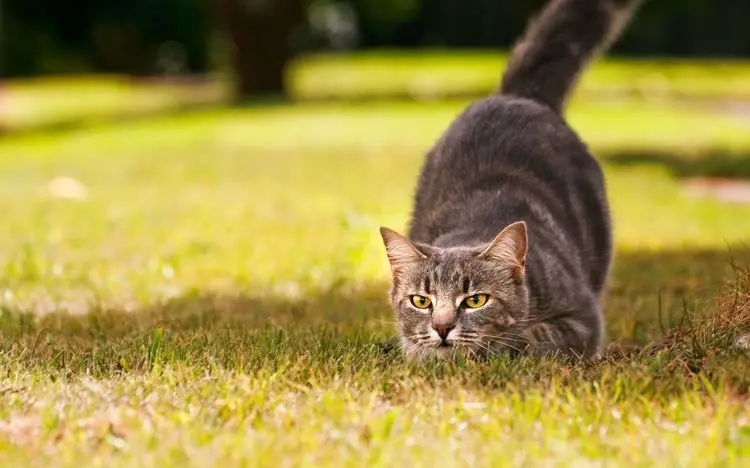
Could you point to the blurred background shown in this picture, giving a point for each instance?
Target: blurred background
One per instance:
(167, 53)
(156, 149)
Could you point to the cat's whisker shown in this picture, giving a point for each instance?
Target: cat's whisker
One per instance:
(506, 345)
(491, 352)
(469, 335)
(501, 341)
(504, 335)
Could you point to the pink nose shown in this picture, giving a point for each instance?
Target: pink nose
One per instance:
(443, 330)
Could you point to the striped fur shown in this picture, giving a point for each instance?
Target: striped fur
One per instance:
(511, 163)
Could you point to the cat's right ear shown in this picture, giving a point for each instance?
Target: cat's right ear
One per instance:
(510, 248)
(401, 252)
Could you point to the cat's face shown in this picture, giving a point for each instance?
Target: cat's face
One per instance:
(470, 300)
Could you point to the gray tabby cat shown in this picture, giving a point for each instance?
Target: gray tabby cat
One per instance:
(512, 162)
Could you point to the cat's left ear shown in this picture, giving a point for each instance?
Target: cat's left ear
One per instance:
(401, 252)
(510, 248)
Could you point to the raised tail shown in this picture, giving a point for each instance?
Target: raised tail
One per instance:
(545, 64)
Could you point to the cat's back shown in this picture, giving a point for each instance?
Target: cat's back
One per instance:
(506, 141)
(507, 159)
(502, 132)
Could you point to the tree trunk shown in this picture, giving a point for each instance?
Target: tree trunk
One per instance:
(260, 32)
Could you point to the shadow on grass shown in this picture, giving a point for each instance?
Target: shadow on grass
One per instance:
(640, 282)
(715, 163)
(106, 119)
(206, 313)
(653, 296)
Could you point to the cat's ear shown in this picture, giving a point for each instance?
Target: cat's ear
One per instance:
(401, 252)
(510, 247)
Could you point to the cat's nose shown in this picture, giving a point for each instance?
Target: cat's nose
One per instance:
(443, 330)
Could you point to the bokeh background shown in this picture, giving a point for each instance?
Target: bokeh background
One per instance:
(220, 50)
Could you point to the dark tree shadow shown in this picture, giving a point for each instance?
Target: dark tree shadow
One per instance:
(108, 120)
(715, 163)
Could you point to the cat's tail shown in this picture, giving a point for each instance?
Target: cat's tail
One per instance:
(544, 65)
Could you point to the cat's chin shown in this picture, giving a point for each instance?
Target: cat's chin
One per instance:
(440, 352)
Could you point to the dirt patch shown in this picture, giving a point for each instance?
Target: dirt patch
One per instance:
(727, 190)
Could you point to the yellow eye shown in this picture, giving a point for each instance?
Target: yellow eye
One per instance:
(420, 302)
(476, 301)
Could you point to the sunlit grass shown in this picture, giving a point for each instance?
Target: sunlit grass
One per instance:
(58, 101)
(213, 291)
(433, 74)
(420, 75)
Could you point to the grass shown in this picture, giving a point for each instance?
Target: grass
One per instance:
(209, 288)
(424, 76)
(437, 74)
(61, 102)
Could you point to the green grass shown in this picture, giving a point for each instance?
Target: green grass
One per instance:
(435, 74)
(70, 101)
(412, 75)
(216, 295)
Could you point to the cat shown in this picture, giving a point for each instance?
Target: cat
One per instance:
(510, 243)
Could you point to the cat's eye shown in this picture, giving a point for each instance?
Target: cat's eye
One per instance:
(476, 301)
(420, 302)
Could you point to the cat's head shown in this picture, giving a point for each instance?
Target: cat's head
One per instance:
(467, 299)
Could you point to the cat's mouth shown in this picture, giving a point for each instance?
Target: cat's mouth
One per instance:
(441, 349)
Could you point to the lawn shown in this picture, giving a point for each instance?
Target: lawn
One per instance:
(435, 75)
(209, 288)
